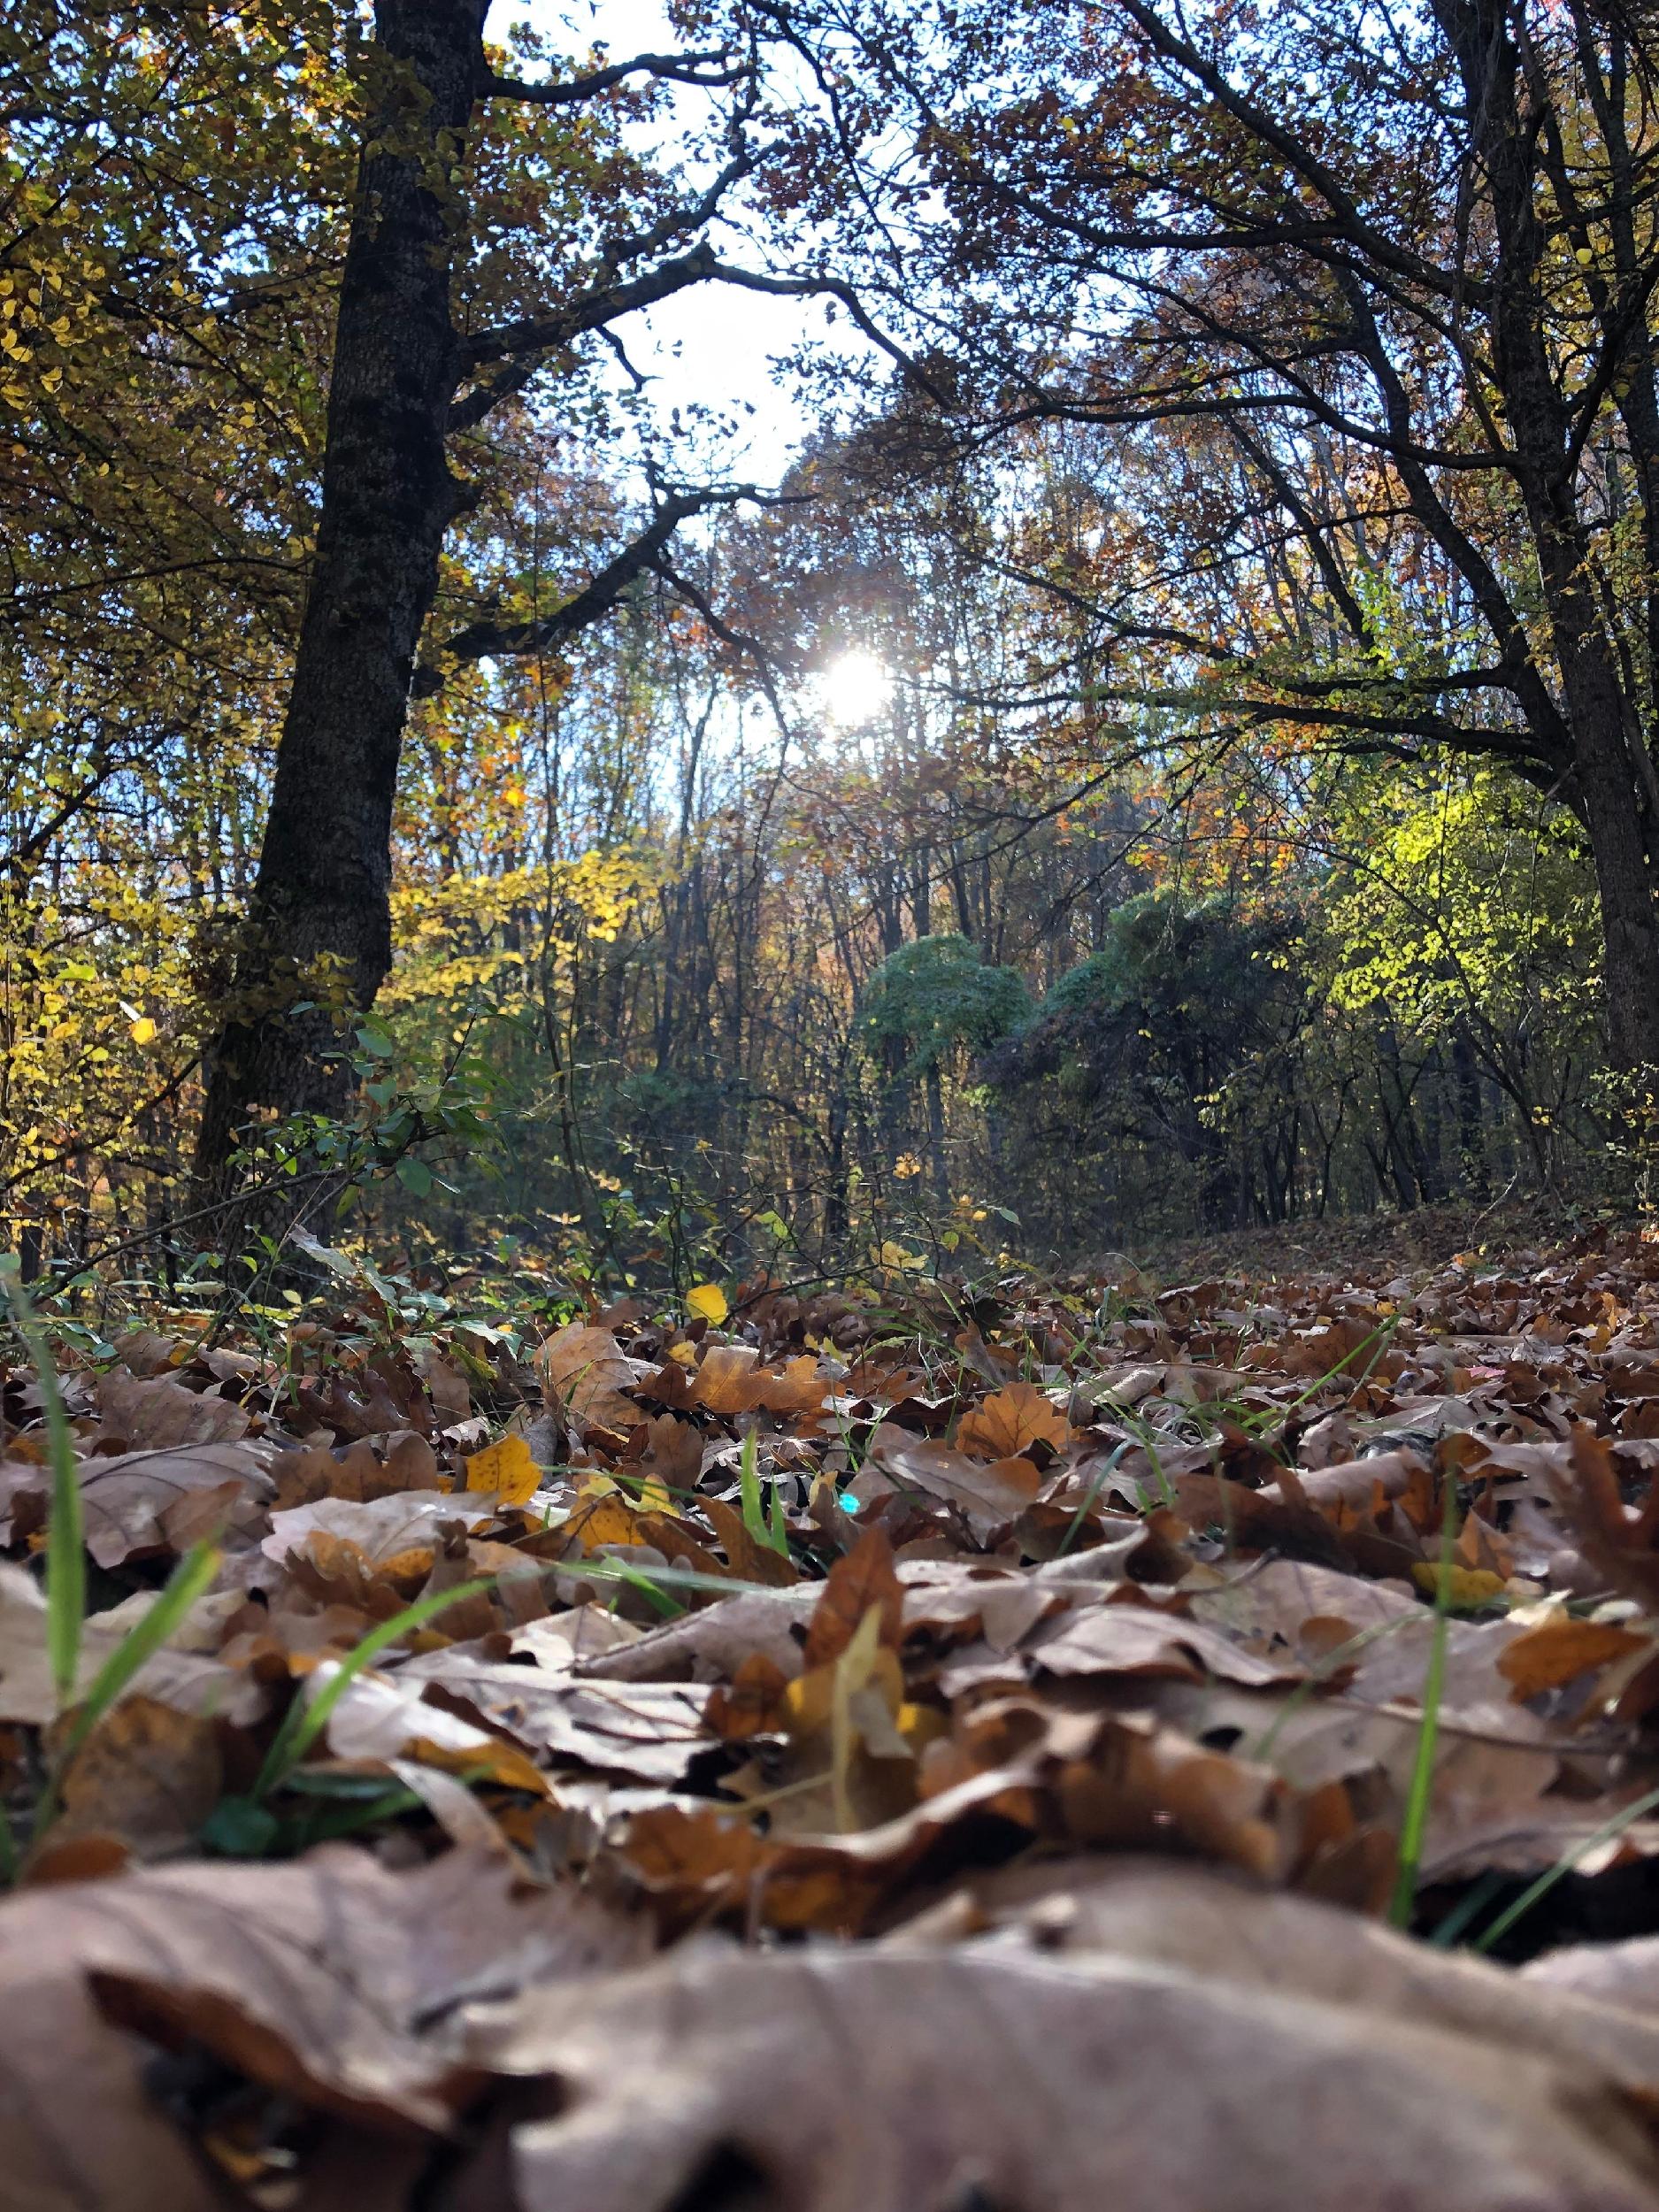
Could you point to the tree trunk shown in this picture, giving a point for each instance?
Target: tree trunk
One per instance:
(320, 928)
(1598, 714)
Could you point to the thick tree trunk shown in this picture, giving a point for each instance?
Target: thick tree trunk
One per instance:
(1630, 921)
(1605, 724)
(320, 928)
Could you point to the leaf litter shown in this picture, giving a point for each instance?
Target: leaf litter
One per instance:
(829, 1751)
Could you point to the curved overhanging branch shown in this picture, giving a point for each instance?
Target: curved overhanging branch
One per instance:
(488, 640)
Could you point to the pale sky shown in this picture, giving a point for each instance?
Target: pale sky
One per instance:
(711, 344)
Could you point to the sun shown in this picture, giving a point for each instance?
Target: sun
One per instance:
(854, 690)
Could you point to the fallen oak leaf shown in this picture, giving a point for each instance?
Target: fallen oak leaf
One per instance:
(722, 1380)
(1557, 1651)
(1216, 1925)
(861, 1578)
(989, 1496)
(650, 1732)
(1024, 2079)
(161, 1414)
(1107, 1640)
(1356, 1483)
(405, 1461)
(715, 1641)
(330, 1980)
(751, 1560)
(586, 1369)
(127, 1501)
(1622, 1545)
(149, 1776)
(507, 1469)
(753, 1703)
(1009, 1421)
(401, 1522)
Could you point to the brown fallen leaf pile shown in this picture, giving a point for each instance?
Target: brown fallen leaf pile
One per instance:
(955, 1758)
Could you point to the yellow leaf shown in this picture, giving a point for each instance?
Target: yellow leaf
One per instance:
(653, 1496)
(507, 1467)
(708, 1299)
(894, 1255)
(603, 1516)
(1464, 1586)
(143, 1030)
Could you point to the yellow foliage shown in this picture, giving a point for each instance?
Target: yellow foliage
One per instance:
(507, 1468)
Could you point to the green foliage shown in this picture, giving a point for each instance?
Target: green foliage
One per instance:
(1470, 896)
(1184, 991)
(1171, 962)
(936, 1000)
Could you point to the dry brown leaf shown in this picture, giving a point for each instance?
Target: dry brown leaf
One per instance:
(1134, 1639)
(384, 1717)
(997, 2077)
(750, 1561)
(754, 1703)
(380, 1529)
(1626, 1975)
(371, 1467)
(149, 1775)
(862, 1577)
(1009, 1420)
(714, 1643)
(1220, 1926)
(329, 1980)
(1558, 1651)
(447, 1385)
(723, 1381)
(989, 1496)
(796, 1390)
(161, 1415)
(1278, 1597)
(649, 1731)
(672, 1450)
(1353, 1482)
(586, 1369)
(1622, 1545)
(147, 1352)
(139, 1506)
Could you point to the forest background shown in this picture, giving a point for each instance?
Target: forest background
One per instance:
(1169, 747)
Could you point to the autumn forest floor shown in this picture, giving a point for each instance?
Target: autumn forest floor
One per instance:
(912, 1749)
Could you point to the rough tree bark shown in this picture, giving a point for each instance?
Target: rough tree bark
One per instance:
(1605, 725)
(318, 940)
(322, 912)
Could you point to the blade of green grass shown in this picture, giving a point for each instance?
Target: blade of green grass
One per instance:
(66, 1530)
(187, 1582)
(1625, 1817)
(1404, 1903)
(651, 1590)
(671, 1577)
(307, 1717)
(1444, 1934)
(748, 1491)
(1089, 1496)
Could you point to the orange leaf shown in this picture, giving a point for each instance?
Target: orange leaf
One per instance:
(1009, 1420)
(1559, 1651)
(506, 1467)
(865, 1576)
